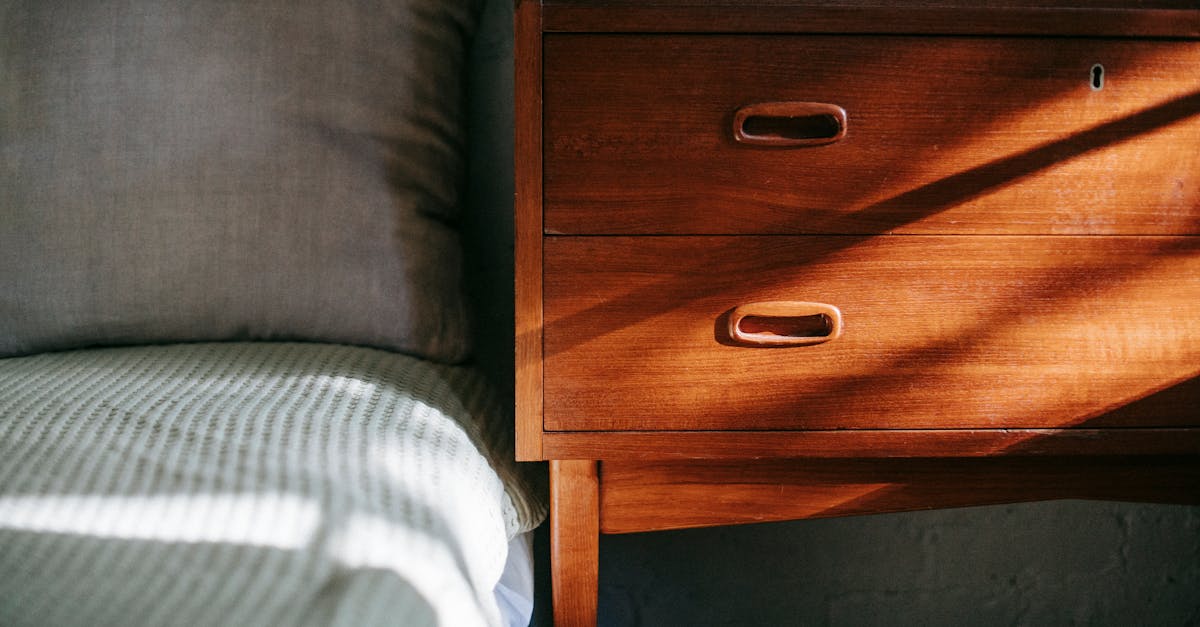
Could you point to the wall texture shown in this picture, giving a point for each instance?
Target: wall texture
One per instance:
(1056, 563)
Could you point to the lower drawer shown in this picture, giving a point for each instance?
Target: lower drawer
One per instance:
(935, 332)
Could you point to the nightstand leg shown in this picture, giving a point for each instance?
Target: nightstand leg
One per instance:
(574, 541)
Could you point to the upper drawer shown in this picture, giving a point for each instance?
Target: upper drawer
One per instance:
(942, 135)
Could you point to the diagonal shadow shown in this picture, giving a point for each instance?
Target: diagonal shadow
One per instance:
(741, 491)
(1176, 484)
(946, 193)
(710, 185)
(1063, 287)
(603, 318)
(789, 489)
(1018, 474)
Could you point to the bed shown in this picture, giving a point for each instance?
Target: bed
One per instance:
(254, 328)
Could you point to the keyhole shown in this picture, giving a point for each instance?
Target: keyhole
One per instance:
(1097, 77)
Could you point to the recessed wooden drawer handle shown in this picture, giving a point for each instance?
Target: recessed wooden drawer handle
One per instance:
(784, 323)
(789, 124)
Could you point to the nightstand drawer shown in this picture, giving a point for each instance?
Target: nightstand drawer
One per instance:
(934, 332)
(941, 135)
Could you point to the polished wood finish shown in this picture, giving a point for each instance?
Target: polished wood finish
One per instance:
(938, 333)
(1115, 18)
(945, 135)
(1079, 8)
(881, 443)
(784, 323)
(574, 541)
(1012, 250)
(789, 124)
(649, 496)
(528, 229)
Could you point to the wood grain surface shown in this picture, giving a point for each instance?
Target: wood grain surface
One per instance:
(574, 541)
(646, 496)
(527, 227)
(944, 135)
(878, 443)
(1158, 18)
(938, 332)
(1010, 246)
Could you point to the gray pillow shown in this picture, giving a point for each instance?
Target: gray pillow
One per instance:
(277, 169)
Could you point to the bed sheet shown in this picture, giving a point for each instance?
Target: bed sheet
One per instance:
(255, 484)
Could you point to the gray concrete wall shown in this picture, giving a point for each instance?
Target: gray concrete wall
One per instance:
(1056, 563)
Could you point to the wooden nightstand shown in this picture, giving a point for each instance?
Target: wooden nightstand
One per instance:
(781, 260)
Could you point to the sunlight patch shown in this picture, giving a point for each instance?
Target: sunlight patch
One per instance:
(269, 520)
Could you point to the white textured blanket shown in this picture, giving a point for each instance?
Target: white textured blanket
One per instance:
(251, 484)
